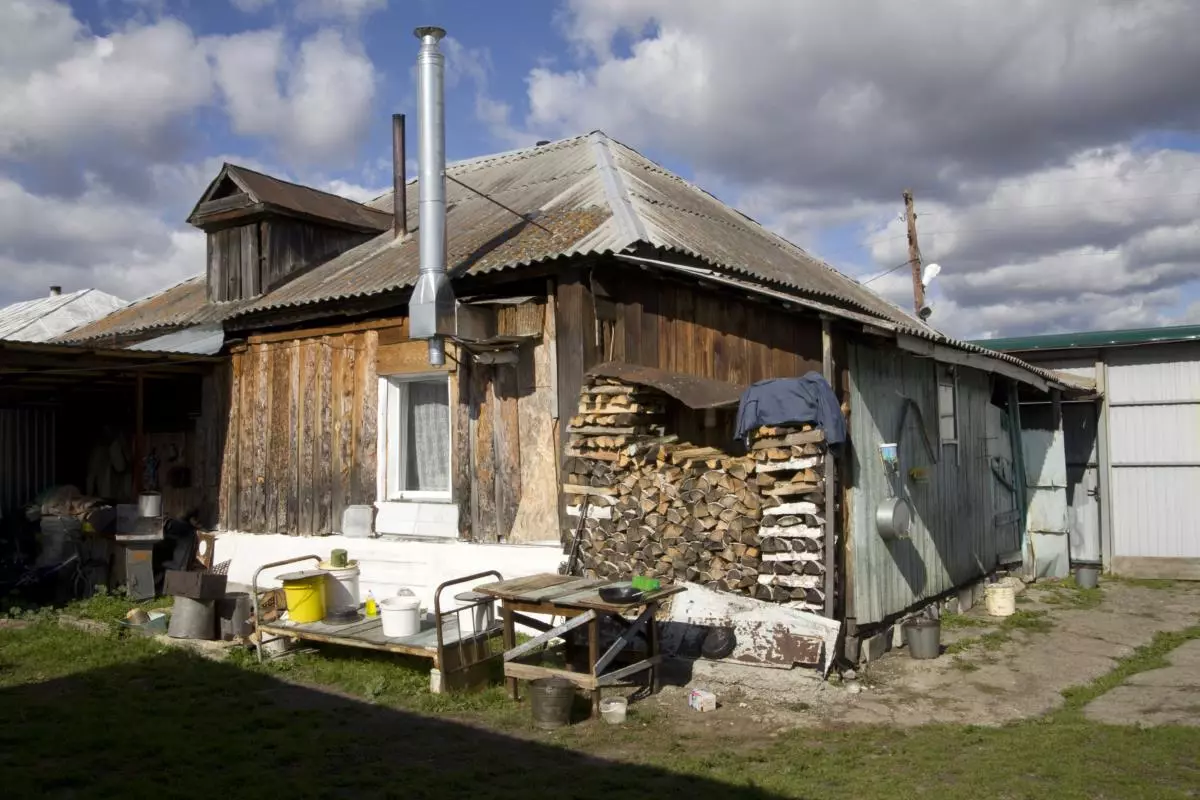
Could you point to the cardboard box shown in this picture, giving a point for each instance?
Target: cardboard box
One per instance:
(196, 585)
(701, 700)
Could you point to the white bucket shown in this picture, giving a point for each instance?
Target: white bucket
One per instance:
(341, 588)
(401, 616)
(1000, 599)
(613, 709)
(150, 504)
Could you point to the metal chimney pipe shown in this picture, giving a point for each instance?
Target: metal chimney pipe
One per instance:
(399, 187)
(431, 310)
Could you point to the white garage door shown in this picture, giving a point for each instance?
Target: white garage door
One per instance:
(1154, 430)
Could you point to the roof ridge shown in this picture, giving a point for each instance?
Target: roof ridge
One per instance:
(301, 186)
(626, 216)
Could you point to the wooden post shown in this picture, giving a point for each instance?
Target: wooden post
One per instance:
(827, 369)
(510, 641)
(653, 646)
(914, 252)
(139, 435)
(593, 657)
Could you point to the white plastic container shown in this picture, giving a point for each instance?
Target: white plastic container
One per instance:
(341, 588)
(613, 709)
(358, 521)
(150, 504)
(401, 616)
(1000, 599)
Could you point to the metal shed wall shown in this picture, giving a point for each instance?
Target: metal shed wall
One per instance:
(955, 537)
(27, 447)
(1153, 396)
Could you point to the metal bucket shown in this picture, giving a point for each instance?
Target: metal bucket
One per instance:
(551, 699)
(233, 614)
(192, 619)
(1087, 577)
(924, 637)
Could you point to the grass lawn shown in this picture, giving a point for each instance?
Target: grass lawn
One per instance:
(83, 715)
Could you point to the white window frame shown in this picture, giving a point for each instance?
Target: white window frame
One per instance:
(946, 375)
(393, 392)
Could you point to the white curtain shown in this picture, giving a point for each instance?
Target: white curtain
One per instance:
(428, 467)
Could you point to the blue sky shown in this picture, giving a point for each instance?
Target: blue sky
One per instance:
(1053, 148)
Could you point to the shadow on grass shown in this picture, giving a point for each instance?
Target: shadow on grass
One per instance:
(171, 724)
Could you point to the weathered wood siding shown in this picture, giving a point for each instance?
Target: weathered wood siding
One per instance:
(954, 538)
(290, 247)
(301, 438)
(299, 443)
(247, 260)
(705, 333)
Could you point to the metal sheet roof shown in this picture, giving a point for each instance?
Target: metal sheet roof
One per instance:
(45, 318)
(203, 340)
(1094, 339)
(690, 390)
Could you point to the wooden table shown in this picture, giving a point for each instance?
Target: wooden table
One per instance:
(578, 601)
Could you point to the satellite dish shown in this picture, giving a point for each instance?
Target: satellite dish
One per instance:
(930, 272)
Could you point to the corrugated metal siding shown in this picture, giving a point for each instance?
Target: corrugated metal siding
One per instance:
(954, 536)
(27, 445)
(1153, 507)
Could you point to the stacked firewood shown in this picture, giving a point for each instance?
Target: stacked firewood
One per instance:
(653, 505)
(790, 473)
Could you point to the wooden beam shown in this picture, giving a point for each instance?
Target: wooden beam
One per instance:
(541, 640)
(329, 330)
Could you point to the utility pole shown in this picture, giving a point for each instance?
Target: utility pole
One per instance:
(914, 252)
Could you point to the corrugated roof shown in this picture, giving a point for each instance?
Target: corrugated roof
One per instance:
(45, 318)
(1094, 339)
(300, 199)
(583, 195)
(178, 306)
(202, 340)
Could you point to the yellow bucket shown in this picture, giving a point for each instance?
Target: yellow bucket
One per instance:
(305, 593)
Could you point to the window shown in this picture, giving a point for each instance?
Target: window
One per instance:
(418, 437)
(947, 402)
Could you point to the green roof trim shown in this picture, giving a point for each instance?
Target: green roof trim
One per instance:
(1092, 339)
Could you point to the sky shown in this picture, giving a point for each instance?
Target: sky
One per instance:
(1052, 146)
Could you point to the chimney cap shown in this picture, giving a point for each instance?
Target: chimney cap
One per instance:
(55, 291)
(429, 30)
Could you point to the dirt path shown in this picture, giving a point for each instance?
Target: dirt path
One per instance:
(993, 682)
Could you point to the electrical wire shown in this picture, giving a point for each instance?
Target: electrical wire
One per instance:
(888, 271)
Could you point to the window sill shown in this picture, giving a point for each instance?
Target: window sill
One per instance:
(426, 519)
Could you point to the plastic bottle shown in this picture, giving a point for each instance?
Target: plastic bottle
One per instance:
(372, 608)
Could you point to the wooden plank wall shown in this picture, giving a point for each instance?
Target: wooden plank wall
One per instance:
(248, 260)
(291, 246)
(300, 444)
(699, 332)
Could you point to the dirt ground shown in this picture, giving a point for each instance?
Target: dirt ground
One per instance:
(984, 680)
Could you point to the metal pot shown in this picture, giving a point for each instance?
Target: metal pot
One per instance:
(893, 518)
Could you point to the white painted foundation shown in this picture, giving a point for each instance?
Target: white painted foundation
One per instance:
(387, 564)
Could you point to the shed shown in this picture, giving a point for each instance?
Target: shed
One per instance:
(1133, 452)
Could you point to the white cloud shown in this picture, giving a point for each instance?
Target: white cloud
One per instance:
(97, 239)
(354, 191)
(60, 88)
(315, 102)
(350, 10)
(817, 115)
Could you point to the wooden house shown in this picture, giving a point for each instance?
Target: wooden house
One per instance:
(563, 256)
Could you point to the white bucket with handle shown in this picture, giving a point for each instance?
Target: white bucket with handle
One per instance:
(1000, 599)
(401, 616)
